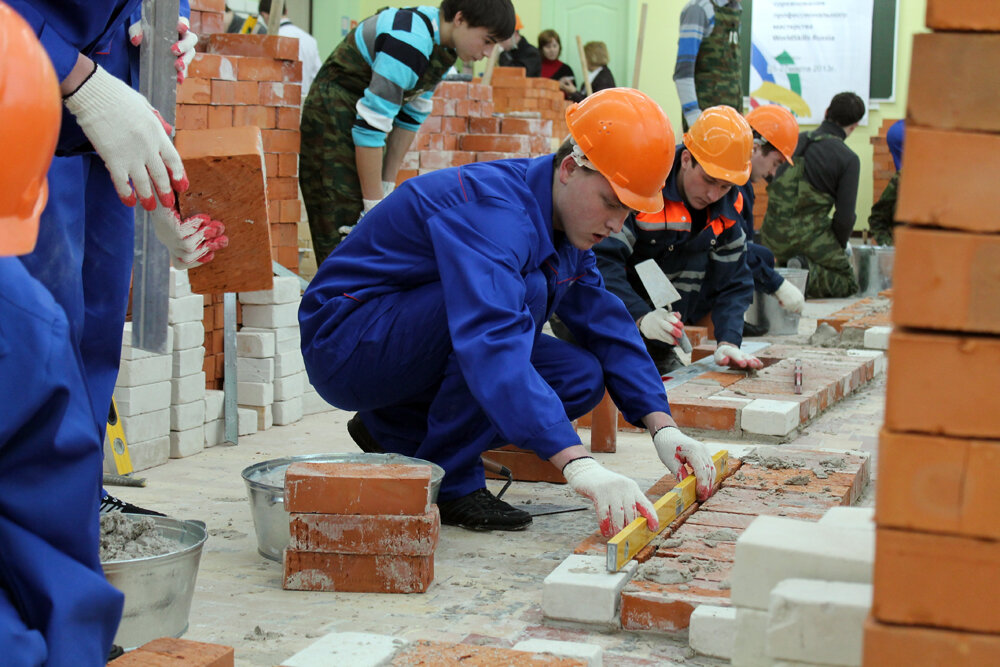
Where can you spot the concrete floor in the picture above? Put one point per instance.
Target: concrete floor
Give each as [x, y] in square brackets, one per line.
[487, 587]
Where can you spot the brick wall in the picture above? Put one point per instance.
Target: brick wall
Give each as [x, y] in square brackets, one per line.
[514, 92]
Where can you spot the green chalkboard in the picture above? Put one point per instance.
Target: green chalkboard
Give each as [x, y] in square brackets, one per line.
[883, 48]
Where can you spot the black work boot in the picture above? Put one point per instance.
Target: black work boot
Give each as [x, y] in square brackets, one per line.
[481, 510]
[666, 359]
[111, 504]
[752, 330]
[360, 435]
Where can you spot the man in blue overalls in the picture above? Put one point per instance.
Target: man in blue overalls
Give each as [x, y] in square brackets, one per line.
[428, 319]
[56, 607]
[112, 152]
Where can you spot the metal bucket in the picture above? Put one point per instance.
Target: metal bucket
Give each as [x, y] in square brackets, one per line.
[266, 489]
[872, 267]
[765, 311]
[158, 589]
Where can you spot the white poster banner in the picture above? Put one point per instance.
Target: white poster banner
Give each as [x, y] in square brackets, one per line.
[803, 52]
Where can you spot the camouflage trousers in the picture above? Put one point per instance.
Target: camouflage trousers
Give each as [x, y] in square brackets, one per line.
[831, 274]
[328, 171]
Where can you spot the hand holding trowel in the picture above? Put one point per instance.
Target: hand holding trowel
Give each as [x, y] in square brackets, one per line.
[661, 324]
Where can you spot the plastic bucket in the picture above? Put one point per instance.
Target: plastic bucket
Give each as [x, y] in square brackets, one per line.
[765, 311]
[872, 267]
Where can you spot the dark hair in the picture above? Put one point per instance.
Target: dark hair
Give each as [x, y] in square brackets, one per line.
[845, 109]
[546, 36]
[565, 148]
[766, 147]
[265, 7]
[497, 16]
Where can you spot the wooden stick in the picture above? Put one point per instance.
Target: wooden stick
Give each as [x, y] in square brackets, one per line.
[274, 18]
[586, 70]
[638, 47]
[491, 63]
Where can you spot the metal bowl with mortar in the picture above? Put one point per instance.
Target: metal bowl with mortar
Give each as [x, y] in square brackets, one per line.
[158, 589]
[266, 489]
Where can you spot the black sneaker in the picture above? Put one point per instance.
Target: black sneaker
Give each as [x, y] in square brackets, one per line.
[753, 329]
[359, 433]
[481, 510]
[111, 504]
[116, 652]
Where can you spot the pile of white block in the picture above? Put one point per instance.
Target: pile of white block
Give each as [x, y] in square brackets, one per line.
[801, 591]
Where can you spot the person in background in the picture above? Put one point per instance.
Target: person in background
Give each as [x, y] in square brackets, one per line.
[600, 76]
[552, 68]
[308, 47]
[56, 606]
[370, 97]
[428, 318]
[882, 220]
[518, 52]
[797, 226]
[707, 71]
[775, 135]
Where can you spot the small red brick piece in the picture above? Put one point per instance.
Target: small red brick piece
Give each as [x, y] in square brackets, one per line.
[357, 573]
[357, 488]
[366, 533]
[171, 652]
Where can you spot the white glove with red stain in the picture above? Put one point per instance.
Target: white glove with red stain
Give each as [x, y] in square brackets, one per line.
[183, 48]
[662, 325]
[727, 354]
[790, 297]
[676, 449]
[617, 499]
[190, 242]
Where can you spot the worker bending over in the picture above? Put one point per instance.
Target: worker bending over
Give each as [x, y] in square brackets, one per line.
[428, 318]
[697, 238]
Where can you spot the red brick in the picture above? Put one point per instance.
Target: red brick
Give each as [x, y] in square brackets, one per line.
[219, 117]
[454, 124]
[293, 94]
[495, 142]
[259, 116]
[288, 118]
[647, 605]
[271, 168]
[946, 280]
[357, 488]
[950, 197]
[259, 46]
[720, 519]
[699, 352]
[271, 93]
[445, 159]
[194, 91]
[704, 414]
[282, 188]
[223, 92]
[939, 485]
[886, 644]
[944, 94]
[211, 66]
[287, 257]
[783, 503]
[291, 72]
[211, 23]
[440, 654]
[963, 15]
[943, 385]
[366, 533]
[246, 92]
[289, 210]
[259, 69]
[484, 125]
[936, 580]
[525, 466]
[694, 544]
[280, 141]
[604, 426]
[218, 6]
[357, 573]
[191, 117]
[288, 165]
[190, 653]
[285, 234]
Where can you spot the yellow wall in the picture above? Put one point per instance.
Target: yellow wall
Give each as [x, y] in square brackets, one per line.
[658, 56]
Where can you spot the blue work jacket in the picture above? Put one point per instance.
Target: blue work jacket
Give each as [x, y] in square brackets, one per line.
[484, 232]
[765, 278]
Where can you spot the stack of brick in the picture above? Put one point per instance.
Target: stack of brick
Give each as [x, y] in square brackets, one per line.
[250, 80]
[514, 92]
[187, 412]
[360, 527]
[882, 165]
[270, 366]
[187, 377]
[939, 453]
[207, 18]
[463, 128]
[143, 394]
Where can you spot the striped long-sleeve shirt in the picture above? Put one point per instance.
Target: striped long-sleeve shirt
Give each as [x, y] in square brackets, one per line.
[397, 44]
[697, 21]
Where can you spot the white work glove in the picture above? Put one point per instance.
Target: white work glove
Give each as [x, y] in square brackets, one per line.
[727, 354]
[790, 297]
[663, 325]
[183, 48]
[676, 449]
[367, 205]
[387, 188]
[131, 138]
[190, 242]
[617, 499]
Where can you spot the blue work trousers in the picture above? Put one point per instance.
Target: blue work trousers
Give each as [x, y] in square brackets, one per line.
[404, 379]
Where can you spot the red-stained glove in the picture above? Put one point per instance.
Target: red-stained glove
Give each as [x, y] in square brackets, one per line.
[183, 48]
[675, 449]
[617, 499]
[190, 242]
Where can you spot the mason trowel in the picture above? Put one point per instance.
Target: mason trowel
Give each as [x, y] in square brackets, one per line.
[661, 291]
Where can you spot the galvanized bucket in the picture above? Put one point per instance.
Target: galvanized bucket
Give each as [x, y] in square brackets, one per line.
[266, 489]
[872, 267]
[765, 311]
[158, 589]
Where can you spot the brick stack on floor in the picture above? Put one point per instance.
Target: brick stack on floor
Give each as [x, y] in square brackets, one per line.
[359, 527]
[143, 394]
[937, 552]
[187, 403]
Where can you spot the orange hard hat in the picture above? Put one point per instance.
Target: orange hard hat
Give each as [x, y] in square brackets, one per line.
[722, 142]
[626, 136]
[778, 126]
[30, 113]
[517, 22]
